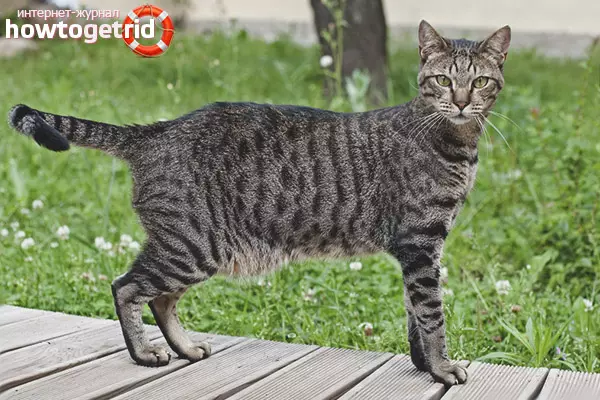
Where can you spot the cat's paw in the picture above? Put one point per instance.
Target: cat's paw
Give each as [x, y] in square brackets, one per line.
[449, 373]
[153, 356]
[197, 352]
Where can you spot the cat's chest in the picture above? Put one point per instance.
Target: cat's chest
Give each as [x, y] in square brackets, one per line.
[430, 179]
[456, 180]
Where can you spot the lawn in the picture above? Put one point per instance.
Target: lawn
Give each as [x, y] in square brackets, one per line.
[533, 218]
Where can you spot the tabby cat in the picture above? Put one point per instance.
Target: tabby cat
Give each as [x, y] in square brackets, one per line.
[238, 188]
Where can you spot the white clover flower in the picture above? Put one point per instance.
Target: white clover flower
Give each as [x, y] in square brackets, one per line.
[14, 225]
[4, 232]
[88, 276]
[37, 204]
[589, 306]
[28, 259]
[444, 274]
[263, 282]
[63, 232]
[25, 211]
[169, 86]
[134, 246]
[367, 328]
[447, 292]
[19, 235]
[53, 245]
[528, 266]
[125, 240]
[102, 244]
[503, 287]
[27, 243]
[326, 61]
[515, 174]
[356, 266]
[309, 294]
[99, 242]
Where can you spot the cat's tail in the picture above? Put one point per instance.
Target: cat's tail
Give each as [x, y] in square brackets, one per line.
[55, 132]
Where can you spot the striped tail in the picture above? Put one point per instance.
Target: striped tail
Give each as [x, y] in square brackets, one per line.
[55, 132]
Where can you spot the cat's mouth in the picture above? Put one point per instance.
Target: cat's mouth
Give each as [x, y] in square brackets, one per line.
[459, 119]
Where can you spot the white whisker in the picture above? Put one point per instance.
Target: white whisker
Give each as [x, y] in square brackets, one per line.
[425, 127]
[485, 134]
[497, 130]
[506, 118]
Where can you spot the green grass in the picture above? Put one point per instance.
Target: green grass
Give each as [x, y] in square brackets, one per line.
[535, 203]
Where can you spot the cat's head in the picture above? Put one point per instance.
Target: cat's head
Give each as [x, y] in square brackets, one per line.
[461, 78]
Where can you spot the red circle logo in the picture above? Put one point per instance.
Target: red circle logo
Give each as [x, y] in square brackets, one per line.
[167, 27]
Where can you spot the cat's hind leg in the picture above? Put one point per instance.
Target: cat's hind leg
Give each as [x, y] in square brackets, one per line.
[131, 291]
[164, 308]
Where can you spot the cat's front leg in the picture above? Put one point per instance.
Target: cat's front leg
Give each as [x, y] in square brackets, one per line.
[419, 256]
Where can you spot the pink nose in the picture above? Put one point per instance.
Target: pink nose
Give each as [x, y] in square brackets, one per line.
[461, 105]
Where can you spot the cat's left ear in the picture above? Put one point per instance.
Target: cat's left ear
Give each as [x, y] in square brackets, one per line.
[496, 45]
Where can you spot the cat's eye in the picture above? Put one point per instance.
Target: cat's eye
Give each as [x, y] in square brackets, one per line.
[443, 80]
[480, 82]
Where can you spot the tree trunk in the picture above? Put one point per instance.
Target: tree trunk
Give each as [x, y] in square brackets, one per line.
[365, 42]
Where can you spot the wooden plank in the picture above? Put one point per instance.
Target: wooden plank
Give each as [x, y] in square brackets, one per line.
[47, 326]
[107, 376]
[397, 379]
[489, 381]
[10, 314]
[570, 385]
[324, 374]
[223, 374]
[51, 356]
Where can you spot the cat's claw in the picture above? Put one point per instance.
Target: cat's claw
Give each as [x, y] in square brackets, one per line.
[199, 351]
[449, 373]
[153, 356]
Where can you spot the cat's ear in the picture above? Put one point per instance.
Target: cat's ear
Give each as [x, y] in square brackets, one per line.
[430, 41]
[496, 45]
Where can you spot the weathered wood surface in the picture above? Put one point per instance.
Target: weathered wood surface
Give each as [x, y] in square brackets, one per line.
[105, 377]
[488, 381]
[398, 379]
[224, 373]
[326, 373]
[47, 326]
[46, 355]
[570, 385]
[10, 314]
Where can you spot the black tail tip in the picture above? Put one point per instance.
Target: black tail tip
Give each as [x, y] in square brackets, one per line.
[16, 115]
[29, 122]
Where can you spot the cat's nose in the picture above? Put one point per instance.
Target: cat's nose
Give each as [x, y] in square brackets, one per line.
[461, 104]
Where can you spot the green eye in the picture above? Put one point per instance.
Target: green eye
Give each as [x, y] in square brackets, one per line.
[480, 82]
[443, 80]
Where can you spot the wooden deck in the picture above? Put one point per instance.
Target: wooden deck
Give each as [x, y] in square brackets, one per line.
[45, 355]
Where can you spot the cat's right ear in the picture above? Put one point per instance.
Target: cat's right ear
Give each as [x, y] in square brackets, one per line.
[430, 41]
